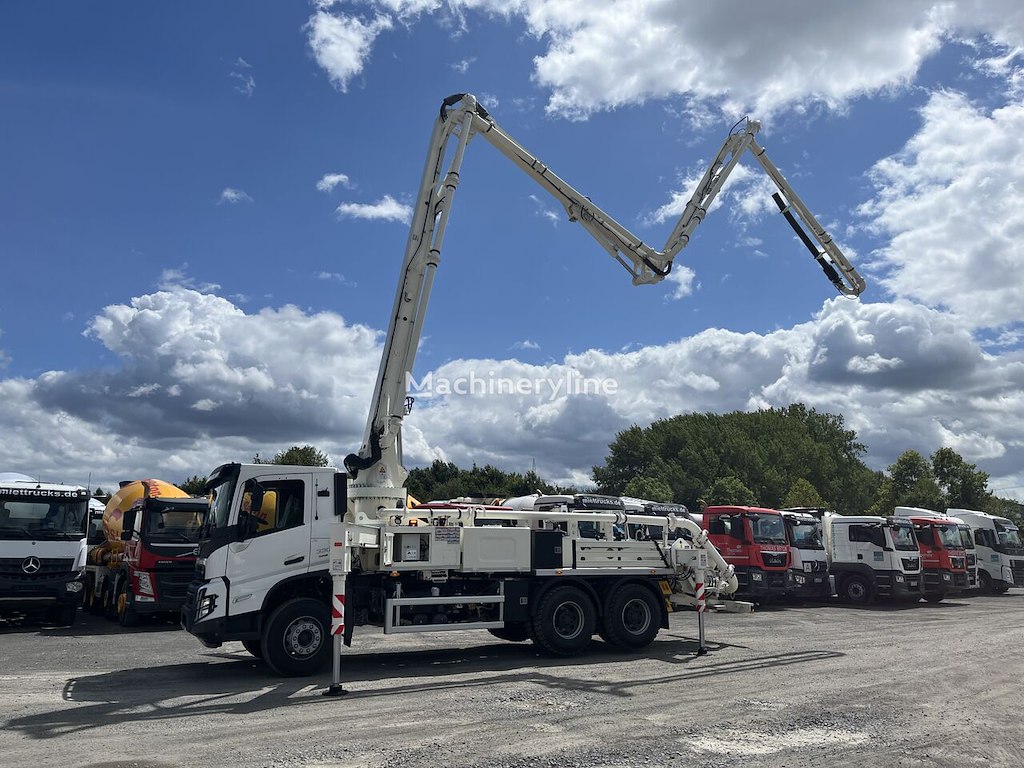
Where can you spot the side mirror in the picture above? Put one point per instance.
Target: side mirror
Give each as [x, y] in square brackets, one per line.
[127, 525]
[247, 524]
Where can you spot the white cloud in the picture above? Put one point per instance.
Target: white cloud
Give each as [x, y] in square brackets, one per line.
[949, 207]
[341, 44]
[331, 180]
[232, 196]
[213, 383]
[177, 277]
[385, 209]
[245, 83]
[728, 57]
[544, 211]
[526, 344]
[462, 66]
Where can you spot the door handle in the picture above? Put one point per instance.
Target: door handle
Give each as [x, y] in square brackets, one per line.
[860, 557]
[294, 560]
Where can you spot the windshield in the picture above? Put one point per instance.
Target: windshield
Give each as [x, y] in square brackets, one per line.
[1008, 535]
[965, 537]
[222, 490]
[174, 525]
[805, 534]
[903, 538]
[949, 535]
[768, 529]
[23, 518]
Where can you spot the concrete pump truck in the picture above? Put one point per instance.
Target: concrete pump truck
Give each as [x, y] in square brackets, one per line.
[344, 548]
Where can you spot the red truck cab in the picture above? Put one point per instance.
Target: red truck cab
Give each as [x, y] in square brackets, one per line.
[943, 557]
[754, 541]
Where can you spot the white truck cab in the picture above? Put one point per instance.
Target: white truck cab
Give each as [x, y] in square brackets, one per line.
[999, 550]
[808, 573]
[873, 557]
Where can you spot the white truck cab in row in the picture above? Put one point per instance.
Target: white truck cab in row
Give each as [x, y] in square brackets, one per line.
[873, 557]
[998, 547]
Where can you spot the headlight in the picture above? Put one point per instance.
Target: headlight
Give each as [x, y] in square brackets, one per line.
[73, 586]
[207, 605]
[757, 576]
[899, 578]
[144, 583]
[947, 577]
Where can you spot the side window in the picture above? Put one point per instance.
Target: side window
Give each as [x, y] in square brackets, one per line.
[858, 533]
[926, 535]
[719, 525]
[282, 507]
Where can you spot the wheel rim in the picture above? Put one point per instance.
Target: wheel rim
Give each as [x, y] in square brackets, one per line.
[856, 591]
[122, 603]
[303, 637]
[636, 616]
[567, 620]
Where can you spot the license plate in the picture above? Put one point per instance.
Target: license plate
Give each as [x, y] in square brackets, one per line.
[912, 583]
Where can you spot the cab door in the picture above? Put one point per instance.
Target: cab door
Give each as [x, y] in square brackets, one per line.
[274, 523]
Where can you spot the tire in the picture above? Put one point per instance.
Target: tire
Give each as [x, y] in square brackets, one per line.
[1002, 589]
[62, 615]
[564, 621]
[985, 582]
[297, 638]
[512, 632]
[92, 601]
[934, 597]
[127, 616]
[632, 617]
[857, 591]
[253, 647]
[109, 601]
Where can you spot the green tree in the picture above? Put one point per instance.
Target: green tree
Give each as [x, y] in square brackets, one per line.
[297, 455]
[649, 488]
[767, 451]
[803, 494]
[194, 486]
[963, 484]
[911, 483]
[728, 490]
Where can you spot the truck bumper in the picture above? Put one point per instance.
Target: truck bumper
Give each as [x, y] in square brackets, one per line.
[759, 584]
[21, 596]
[912, 586]
[803, 585]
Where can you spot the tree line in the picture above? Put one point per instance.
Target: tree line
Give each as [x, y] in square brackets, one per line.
[776, 457]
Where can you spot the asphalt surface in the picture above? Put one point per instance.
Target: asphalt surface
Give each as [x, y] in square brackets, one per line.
[821, 685]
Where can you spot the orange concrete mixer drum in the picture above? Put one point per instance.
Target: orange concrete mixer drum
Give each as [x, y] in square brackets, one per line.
[126, 497]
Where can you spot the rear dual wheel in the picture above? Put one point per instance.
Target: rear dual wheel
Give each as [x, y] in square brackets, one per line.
[632, 618]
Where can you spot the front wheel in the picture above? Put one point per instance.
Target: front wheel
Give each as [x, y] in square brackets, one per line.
[297, 638]
[564, 622]
[127, 616]
[253, 647]
[985, 582]
[857, 591]
[631, 617]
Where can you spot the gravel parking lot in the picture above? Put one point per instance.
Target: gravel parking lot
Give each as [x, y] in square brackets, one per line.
[816, 685]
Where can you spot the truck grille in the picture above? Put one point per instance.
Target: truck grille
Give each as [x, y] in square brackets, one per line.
[957, 563]
[960, 580]
[1018, 572]
[774, 559]
[173, 586]
[817, 566]
[49, 568]
[911, 563]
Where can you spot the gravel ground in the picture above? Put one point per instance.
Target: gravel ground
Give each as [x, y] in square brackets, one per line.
[822, 685]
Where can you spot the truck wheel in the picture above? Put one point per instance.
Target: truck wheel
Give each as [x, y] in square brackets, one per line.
[934, 597]
[1002, 588]
[253, 647]
[297, 638]
[564, 621]
[109, 601]
[857, 591]
[512, 632]
[62, 615]
[92, 602]
[985, 582]
[127, 616]
[632, 617]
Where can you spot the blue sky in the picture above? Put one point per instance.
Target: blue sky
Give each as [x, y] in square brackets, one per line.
[201, 223]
